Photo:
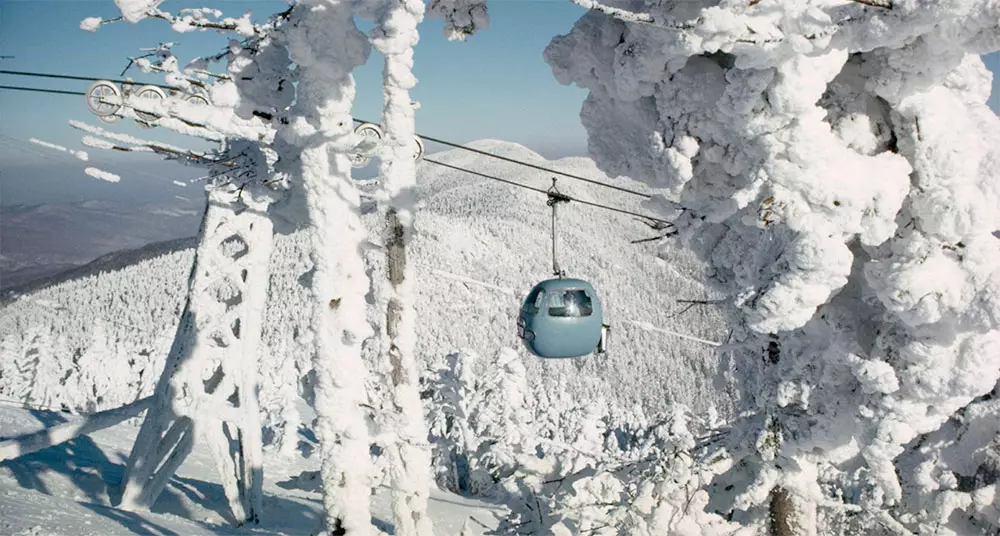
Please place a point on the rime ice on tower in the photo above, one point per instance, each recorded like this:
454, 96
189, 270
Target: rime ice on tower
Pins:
209, 382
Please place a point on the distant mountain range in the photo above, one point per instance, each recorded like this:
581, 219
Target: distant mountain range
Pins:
42, 240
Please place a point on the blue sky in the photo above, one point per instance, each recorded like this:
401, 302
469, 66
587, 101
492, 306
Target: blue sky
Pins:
494, 85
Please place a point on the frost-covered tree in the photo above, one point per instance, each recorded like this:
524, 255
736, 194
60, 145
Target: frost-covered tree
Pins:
53, 365
94, 377
395, 35
835, 166
15, 379
462, 18
326, 45
501, 413
451, 397
652, 486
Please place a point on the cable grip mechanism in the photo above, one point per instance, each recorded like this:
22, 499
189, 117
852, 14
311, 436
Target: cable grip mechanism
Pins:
555, 197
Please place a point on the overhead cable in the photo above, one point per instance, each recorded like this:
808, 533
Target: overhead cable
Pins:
546, 192
428, 138
357, 120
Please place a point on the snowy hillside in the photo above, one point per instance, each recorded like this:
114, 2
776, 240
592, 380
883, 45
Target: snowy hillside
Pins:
98, 340
480, 246
500, 235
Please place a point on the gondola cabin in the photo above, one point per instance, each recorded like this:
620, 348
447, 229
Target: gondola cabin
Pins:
561, 318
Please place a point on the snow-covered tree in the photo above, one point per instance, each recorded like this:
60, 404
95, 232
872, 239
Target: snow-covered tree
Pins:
462, 18
835, 165
326, 45
501, 413
94, 375
395, 35
451, 397
53, 365
14, 381
651, 487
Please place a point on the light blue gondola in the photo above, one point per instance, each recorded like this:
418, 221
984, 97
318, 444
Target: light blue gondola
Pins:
562, 317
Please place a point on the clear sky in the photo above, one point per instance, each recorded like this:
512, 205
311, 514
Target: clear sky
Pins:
494, 85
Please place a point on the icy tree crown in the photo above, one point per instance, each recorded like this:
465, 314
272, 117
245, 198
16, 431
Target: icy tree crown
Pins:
836, 165
794, 118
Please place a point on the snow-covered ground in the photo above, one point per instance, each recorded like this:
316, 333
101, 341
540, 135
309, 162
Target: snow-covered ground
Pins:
68, 490
479, 247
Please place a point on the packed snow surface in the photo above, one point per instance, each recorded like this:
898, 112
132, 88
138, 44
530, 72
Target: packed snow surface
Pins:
68, 490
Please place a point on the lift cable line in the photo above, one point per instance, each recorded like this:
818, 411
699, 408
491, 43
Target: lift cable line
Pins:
44, 90
428, 138
82, 78
458, 168
523, 163
547, 192
357, 120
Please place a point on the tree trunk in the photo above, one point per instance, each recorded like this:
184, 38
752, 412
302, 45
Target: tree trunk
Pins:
791, 515
409, 459
324, 42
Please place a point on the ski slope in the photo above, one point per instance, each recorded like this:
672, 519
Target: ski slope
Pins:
68, 490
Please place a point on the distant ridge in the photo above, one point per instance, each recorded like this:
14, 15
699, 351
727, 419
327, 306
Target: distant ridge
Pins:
105, 263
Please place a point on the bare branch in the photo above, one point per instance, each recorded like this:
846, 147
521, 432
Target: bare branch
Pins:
655, 238
692, 303
656, 225
641, 240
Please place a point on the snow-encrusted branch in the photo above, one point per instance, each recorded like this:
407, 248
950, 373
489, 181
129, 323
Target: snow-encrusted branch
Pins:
91, 24
134, 11
715, 27
101, 174
133, 144
82, 155
462, 18
616, 12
